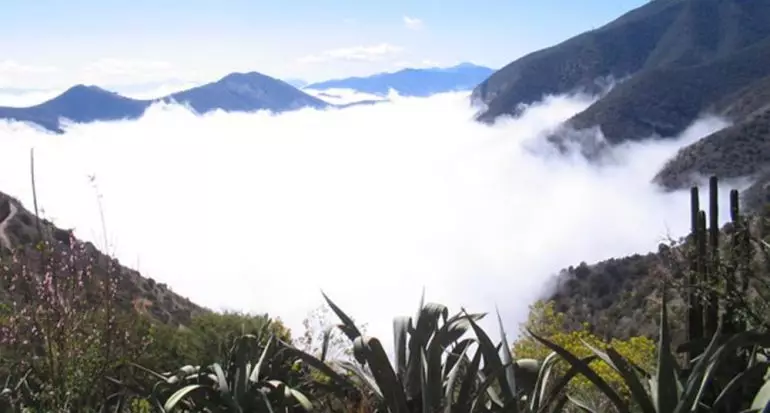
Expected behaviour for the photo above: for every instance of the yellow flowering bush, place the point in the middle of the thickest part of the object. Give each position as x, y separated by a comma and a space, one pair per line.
546, 322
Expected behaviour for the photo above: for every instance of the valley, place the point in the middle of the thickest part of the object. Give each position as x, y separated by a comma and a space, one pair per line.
583, 192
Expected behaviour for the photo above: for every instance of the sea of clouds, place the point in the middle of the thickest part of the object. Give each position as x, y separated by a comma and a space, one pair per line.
370, 204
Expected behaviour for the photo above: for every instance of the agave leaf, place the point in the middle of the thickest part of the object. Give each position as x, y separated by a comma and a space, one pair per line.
241, 352
348, 325
538, 391
510, 393
383, 373
220, 379
277, 384
626, 371
582, 405
490, 352
341, 382
266, 400
359, 350
762, 398
281, 393
741, 340
400, 330
425, 327
453, 329
466, 387
485, 388
302, 399
364, 378
753, 373
557, 390
454, 355
427, 323
667, 394
696, 383
584, 369
257, 370
452, 379
425, 391
600, 353
187, 370
433, 386
173, 401
560, 403
422, 304
638, 392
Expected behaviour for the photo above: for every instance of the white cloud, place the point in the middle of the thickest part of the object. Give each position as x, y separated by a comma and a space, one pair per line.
371, 203
374, 53
119, 72
342, 96
425, 63
14, 73
413, 23
23, 98
153, 90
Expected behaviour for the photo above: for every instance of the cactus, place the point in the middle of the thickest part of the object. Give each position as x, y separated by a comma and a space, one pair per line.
695, 311
705, 265
712, 269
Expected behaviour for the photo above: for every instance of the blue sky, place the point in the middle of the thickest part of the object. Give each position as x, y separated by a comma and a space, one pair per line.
54, 43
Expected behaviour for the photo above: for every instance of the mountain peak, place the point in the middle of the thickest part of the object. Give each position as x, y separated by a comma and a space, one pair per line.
465, 65
85, 90
244, 77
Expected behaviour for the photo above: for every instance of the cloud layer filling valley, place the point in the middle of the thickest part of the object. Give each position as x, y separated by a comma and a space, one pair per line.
371, 204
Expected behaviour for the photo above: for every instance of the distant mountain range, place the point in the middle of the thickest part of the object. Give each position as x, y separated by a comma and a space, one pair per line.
672, 61
413, 82
240, 92
236, 92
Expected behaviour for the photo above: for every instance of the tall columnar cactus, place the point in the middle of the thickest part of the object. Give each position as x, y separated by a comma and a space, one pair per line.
695, 310
705, 266
703, 313
712, 270
732, 323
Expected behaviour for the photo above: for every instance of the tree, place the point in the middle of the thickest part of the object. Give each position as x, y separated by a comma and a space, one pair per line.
546, 322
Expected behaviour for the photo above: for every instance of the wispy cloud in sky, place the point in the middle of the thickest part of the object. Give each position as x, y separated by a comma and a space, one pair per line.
13, 73
379, 52
413, 23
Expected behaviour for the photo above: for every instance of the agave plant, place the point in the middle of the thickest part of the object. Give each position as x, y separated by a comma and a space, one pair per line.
668, 390
437, 368
243, 384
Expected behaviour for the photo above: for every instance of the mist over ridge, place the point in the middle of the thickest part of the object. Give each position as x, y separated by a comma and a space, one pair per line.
368, 203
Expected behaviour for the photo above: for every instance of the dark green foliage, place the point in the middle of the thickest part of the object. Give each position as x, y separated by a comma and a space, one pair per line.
737, 151
253, 376
612, 296
665, 102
